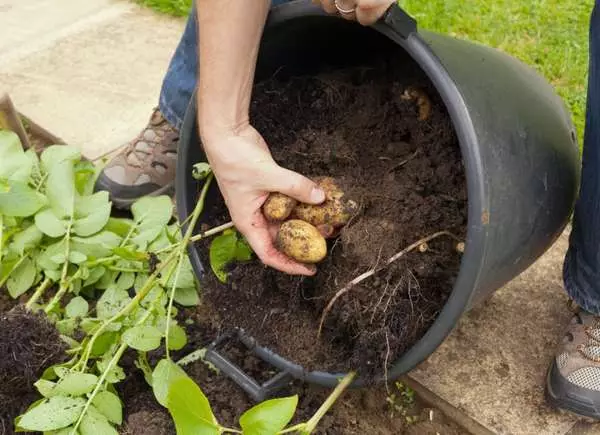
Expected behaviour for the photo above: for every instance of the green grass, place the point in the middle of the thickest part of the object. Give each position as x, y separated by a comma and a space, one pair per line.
550, 35
177, 8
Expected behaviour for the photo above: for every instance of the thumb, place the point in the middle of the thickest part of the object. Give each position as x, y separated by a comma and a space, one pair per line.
297, 186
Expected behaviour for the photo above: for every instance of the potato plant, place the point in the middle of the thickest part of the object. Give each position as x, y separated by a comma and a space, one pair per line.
108, 285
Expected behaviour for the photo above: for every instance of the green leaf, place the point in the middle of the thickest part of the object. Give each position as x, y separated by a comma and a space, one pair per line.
46, 388
97, 246
131, 254
144, 338
95, 423
66, 326
94, 275
26, 240
190, 409
125, 280
57, 154
201, 170
45, 259
116, 373
151, 215
76, 384
177, 337
268, 418
111, 302
164, 374
86, 174
47, 222
77, 307
91, 213
76, 257
60, 189
188, 297
14, 164
21, 279
104, 342
110, 406
225, 249
119, 226
186, 278
64, 431
18, 199
54, 413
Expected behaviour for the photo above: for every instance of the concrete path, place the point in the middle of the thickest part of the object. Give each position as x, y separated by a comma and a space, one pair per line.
493, 366
90, 71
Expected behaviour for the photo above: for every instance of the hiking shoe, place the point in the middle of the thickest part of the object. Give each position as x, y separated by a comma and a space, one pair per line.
573, 380
145, 167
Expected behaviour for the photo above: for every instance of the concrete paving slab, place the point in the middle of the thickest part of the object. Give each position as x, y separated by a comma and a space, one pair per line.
493, 366
96, 87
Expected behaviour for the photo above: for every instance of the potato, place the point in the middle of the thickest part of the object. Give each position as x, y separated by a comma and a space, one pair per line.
278, 206
301, 241
336, 212
330, 187
423, 101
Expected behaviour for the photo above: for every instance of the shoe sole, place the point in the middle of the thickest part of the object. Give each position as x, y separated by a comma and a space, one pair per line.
121, 203
562, 394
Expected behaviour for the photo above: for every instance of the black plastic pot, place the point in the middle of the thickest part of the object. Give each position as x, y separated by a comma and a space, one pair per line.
516, 137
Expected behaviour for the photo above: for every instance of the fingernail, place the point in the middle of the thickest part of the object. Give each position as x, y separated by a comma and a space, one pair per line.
317, 195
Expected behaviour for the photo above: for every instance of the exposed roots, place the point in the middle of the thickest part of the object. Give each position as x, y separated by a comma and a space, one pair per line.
374, 270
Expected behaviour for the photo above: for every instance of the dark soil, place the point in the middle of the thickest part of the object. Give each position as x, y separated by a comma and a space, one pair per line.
408, 178
29, 344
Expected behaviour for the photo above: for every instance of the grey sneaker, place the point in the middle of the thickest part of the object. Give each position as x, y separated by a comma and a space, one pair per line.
146, 166
573, 380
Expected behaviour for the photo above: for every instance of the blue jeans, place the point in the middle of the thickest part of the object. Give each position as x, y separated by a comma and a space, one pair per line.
582, 263
180, 81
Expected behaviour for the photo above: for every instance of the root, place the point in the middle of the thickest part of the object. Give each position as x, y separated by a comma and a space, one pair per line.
375, 269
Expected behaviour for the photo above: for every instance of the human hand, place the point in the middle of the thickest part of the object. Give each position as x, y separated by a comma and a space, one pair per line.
247, 174
366, 12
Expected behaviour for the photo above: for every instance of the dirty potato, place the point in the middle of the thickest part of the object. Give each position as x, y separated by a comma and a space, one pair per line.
301, 241
330, 187
336, 212
278, 206
423, 101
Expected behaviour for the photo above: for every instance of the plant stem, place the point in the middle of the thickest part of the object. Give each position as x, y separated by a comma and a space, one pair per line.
228, 429
335, 394
125, 269
148, 285
1, 237
170, 306
38, 292
12, 269
65, 269
113, 361
204, 235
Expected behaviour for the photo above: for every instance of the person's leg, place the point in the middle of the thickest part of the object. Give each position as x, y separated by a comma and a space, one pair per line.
146, 166
574, 377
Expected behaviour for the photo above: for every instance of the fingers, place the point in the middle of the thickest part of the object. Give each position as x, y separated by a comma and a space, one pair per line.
260, 237
369, 11
297, 186
366, 12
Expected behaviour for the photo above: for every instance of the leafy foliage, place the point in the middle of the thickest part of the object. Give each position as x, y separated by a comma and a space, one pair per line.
116, 281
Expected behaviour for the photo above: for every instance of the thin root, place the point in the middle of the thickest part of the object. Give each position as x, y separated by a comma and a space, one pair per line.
374, 270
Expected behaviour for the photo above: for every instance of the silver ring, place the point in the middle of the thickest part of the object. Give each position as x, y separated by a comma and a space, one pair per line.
342, 10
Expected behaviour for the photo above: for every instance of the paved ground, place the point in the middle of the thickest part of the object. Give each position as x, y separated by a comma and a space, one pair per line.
90, 71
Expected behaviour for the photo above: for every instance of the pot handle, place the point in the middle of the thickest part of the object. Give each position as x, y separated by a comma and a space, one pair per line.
399, 20
257, 391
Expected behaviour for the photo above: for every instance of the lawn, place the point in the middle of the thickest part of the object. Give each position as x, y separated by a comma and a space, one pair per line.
550, 35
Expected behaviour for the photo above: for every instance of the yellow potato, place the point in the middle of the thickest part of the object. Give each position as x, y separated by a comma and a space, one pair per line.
278, 207
301, 241
336, 212
330, 187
